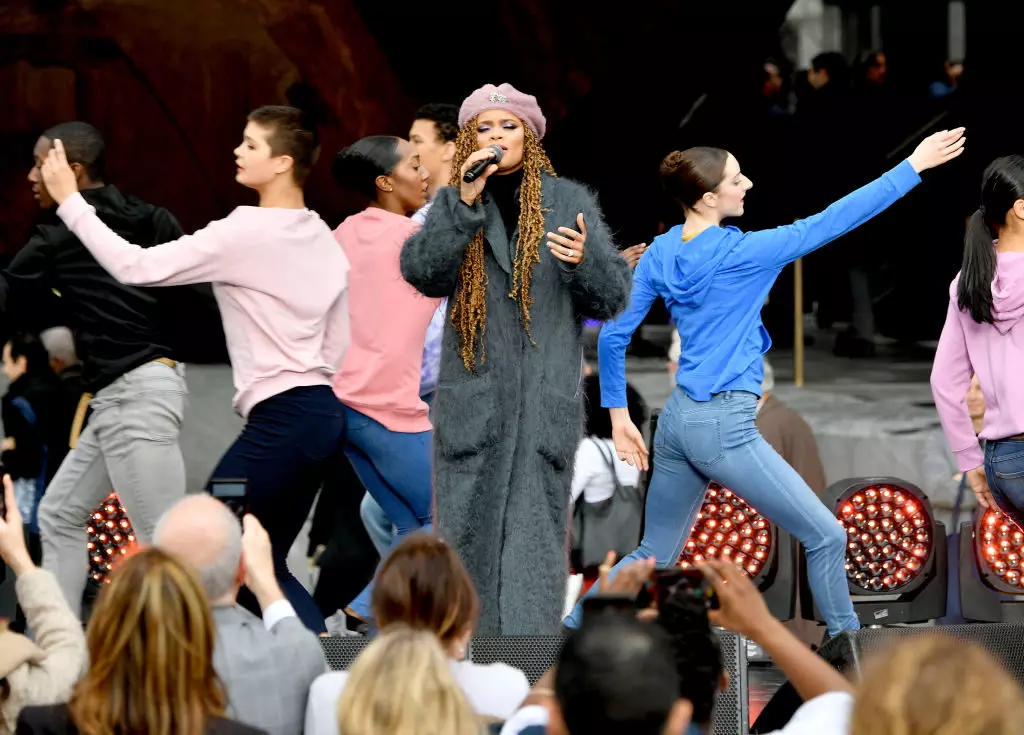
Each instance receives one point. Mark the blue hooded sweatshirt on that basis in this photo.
(714, 286)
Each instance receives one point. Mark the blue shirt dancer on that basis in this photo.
(714, 280)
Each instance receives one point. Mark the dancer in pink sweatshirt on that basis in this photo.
(280, 280)
(984, 336)
(388, 431)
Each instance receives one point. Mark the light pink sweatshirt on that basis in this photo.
(279, 278)
(996, 353)
(380, 376)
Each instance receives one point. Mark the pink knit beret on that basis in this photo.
(508, 98)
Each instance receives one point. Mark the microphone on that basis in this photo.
(477, 169)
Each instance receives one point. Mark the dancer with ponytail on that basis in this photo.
(984, 337)
(524, 257)
(714, 280)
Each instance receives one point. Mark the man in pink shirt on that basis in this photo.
(281, 282)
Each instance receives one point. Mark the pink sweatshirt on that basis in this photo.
(380, 376)
(279, 278)
(996, 353)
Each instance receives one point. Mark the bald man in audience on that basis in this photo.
(268, 665)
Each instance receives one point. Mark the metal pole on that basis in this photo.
(798, 322)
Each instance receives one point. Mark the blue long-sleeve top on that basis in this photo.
(715, 284)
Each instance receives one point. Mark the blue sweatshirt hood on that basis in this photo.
(689, 272)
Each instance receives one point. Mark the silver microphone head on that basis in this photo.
(499, 153)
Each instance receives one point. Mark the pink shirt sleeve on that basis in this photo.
(337, 335)
(951, 379)
(197, 258)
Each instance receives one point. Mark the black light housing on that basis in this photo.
(896, 557)
(991, 566)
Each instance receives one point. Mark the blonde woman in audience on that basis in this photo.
(402, 684)
(423, 585)
(44, 670)
(150, 642)
(935, 685)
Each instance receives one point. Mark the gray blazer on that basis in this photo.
(267, 674)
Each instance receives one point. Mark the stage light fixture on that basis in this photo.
(110, 536)
(895, 551)
(991, 568)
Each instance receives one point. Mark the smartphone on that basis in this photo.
(613, 603)
(233, 493)
(692, 582)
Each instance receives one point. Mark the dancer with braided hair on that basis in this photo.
(508, 414)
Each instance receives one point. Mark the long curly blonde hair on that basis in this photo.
(469, 306)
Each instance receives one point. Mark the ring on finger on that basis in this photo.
(572, 253)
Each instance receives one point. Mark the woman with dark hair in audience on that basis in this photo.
(281, 283)
(388, 430)
(150, 642)
(984, 338)
(41, 670)
(424, 585)
(714, 280)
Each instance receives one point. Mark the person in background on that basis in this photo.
(72, 414)
(150, 643)
(933, 685)
(591, 475)
(948, 81)
(789, 434)
(401, 685)
(982, 339)
(282, 283)
(31, 426)
(130, 367)
(388, 435)
(43, 670)
(424, 585)
(268, 665)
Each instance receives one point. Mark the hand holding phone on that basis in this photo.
(12, 535)
(233, 493)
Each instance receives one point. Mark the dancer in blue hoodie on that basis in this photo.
(714, 280)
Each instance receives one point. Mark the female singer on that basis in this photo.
(508, 414)
(280, 280)
(715, 280)
(984, 337)
(388, 432)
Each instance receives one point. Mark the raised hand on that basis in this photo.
(58, 178)
(741, 608)
(469, 193)
(937, 149)
(632, 254)
(12, 534)
(568, 247)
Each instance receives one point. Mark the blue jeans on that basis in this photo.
(289, 445)
(378, 525)
(1004, 469)
(395, 469)
(697, 442)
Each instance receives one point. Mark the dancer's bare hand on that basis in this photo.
(569, 245)
(12, 534)
(471, 192)
(978, 483)
(58, 177)
(632, 254)
(629, 442)
(937, 149)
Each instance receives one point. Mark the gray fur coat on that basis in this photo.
(505, 436)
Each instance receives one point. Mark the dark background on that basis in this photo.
(169, 85)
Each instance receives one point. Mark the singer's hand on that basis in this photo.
(471, 192)
(568, 247)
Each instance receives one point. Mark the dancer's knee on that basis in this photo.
(833, 537)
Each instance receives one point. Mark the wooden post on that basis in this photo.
(798, 322)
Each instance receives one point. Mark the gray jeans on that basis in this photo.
(130, 445)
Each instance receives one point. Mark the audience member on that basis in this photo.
(789, 434)
(423, 585)
(72, 411)
(592, 477)
(266, 666)
(402, 685)
(40, 671)
(935, 685)
(150, 643)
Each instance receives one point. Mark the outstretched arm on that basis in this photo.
(777, 247)
(197, 258)
(431, 258)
